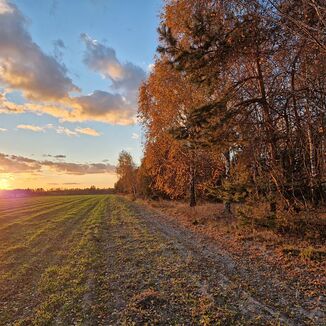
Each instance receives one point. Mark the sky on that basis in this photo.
(69, 78)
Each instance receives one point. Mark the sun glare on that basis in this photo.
(4, 183)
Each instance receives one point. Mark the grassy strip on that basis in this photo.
(32, 207)
(26, 225)
(8, 205)
(24, 268)
(63, 287)
(39, 236)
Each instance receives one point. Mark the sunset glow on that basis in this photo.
(4, 184)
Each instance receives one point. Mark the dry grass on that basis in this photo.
(304, 229)
(301, 259)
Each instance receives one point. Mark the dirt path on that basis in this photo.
(160, 273)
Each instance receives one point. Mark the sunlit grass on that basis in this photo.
(46, 253)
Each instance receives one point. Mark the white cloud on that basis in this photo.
(134, 136)
(5, 7)
(65, 131)
(3, 129)
(60, 130)
(31, 128)
(150, 67)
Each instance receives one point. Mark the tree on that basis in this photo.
(265, 89)
(126, 170)
(177, 169)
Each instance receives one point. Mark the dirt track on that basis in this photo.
(182, 278)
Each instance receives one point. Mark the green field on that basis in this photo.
(48, 252)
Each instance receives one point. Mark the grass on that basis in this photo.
(89, 260)
(103, 260)
(306, 229)
(47, 248)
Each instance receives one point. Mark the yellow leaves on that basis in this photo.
(165, 98)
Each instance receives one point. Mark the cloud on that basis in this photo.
(65, 131)
(59, 156)
(88, 131)
(99, 106)
(102, 59)
(23, 65)
(134, 136)
(3, 129)
(64, 183)
(53, 7)
(61, 130)
(58, 46)
(20, 164)
(8, 107)
(46, 86)
(79, 168)
(5, 7)
(150, 67)
(31, 128)
(58, 129)
(104, 106)
(16, 164)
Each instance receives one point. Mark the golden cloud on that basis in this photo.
(99, 106)
(88, 131)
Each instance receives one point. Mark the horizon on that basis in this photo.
(67, 114)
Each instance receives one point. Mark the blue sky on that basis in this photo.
(102, 47)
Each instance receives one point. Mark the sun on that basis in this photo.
(4, 183)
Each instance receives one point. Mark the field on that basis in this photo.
(103, 260)
(47, 252)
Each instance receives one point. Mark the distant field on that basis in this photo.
(47, 249)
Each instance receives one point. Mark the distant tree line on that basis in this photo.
(235, 106)
(53, 192)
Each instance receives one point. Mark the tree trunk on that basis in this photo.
(134, 193)
(270, 135)
(227, 203)
(193, 201)
(312, 159)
